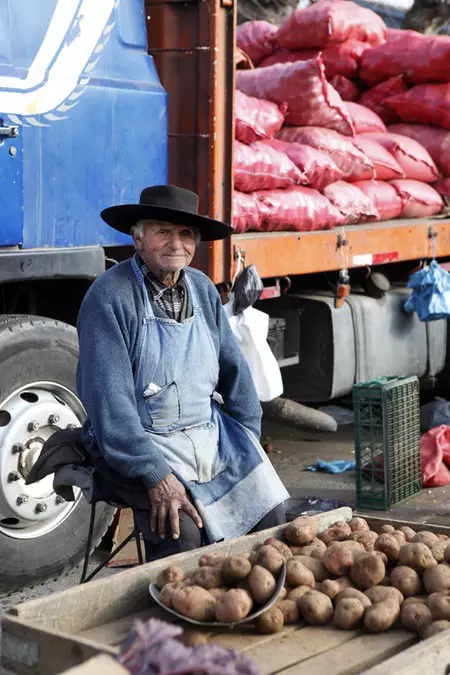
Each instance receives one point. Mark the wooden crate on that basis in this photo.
(52, 634)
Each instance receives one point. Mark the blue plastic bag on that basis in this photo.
(336, 466)
(430, 298)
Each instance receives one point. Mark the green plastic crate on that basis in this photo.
(387, 441)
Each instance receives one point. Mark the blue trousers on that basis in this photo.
(191, 536)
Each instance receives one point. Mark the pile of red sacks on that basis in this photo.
(312, 150)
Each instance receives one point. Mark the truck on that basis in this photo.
(98, 99)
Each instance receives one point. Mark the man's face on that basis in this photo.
(167, 247)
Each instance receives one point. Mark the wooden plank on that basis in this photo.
(83, 607)
(245, 638)
(287, 253)
(114, 632)
(430, 656)
(299, 646)
(32, 649)
(354, 656)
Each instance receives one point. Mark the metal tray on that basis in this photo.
(154, 592)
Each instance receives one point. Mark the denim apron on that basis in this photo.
(221, 463)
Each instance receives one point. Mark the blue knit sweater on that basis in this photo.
(109, 330)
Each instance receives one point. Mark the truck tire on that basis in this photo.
(41, 536)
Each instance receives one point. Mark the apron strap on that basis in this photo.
(149, 314)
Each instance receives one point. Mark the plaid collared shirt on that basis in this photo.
(170, 299)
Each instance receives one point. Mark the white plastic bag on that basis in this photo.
(250, 328)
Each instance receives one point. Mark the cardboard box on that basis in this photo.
(128, 555)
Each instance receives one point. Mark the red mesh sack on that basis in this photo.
(384, 196)
(364, 120)
(442, 186)
(255, 39)
(421, 58)
(317, 168)
(354, 205)
(424, 104)
(255, 119)
(246, 212)
(348, 158)
(347, 90)
(436, 141)
(329, 21)
(385, 167)
(260, 167)
(420, 199)
(414, 160)
(303, 88)
(301, 209)
(434, 451)
(338, 59)
(375, 98)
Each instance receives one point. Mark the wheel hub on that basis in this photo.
(28, 417)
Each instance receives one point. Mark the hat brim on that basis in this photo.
(123, 217)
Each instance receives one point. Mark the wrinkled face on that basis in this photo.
(166, 247)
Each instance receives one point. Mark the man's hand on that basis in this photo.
(168, 497)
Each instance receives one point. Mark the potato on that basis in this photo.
(438, 551)
(280, 546)
(312, 551)
(447, 554)
(427, 629)
(436, 579)
(169, 575)
(338, 532)
(338, 559)
(233, 606)
(425, 537)
(253, 558)
(442, 537)
(349, 614)
(168, 590)
(358, 524)
(382, 557)
(211, 559)
(290, 610)
(367, 571)
(315, 566)
(208, 577)
(298, 575)
(316, 608)
(406, 580)
(439, 606)
(296, 593)
(283, 593)
(301, 531)
(381, 593)
(381, 616)
(386, 529)
(411, 614)
(192, 638)
(194, 602)
(416, 555)
(330, 587)
(415, 599)
(270, 622)
(365, 537)
(235, 569)
(270, 558)
(400, 536)
(353, 593)
(389, 545)
(261, 584)
(218, 592)
(408, 532)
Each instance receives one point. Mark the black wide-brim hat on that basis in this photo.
(167, 204)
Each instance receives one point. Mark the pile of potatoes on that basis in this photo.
(348, 575)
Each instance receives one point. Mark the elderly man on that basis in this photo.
(155, 349)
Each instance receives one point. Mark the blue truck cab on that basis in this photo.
(83, 125)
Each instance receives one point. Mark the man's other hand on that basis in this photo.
(167, 498)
